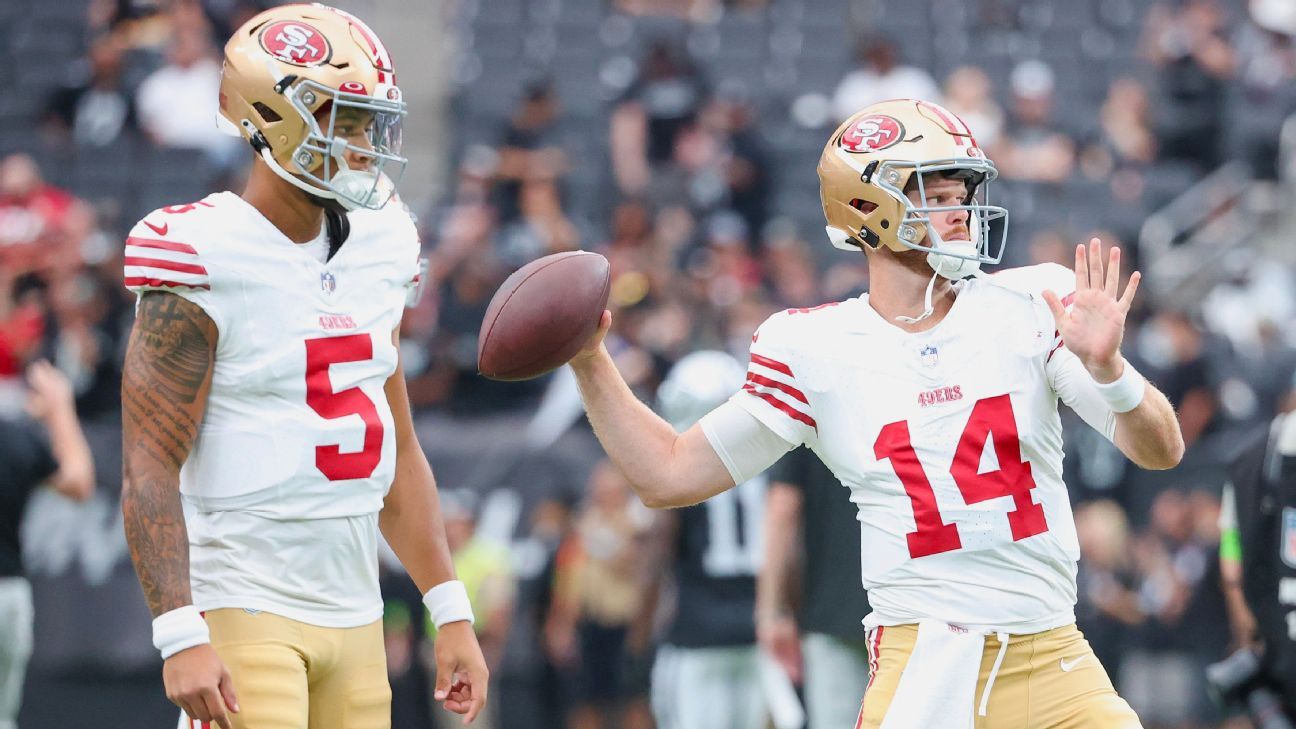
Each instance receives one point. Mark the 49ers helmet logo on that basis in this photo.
(295, 42)
(871, 133)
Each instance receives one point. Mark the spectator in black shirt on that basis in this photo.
(529, 148)
(97, 110)
(28, 460)
(1194, 63)
(659, 106)
(806, 498)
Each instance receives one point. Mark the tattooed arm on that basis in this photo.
(164, 390)
(165, 384)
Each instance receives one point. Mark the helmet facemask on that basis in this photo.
(950, 259)
(320, 160)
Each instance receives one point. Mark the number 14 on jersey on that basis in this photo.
(992, 417)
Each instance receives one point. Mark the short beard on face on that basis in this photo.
(915, 261)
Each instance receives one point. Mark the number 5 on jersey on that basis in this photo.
(329, 459)
(991, 417)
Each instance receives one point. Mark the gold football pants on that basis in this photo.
(1049, 680)
(291, 675)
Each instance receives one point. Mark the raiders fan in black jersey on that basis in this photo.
(706, 675)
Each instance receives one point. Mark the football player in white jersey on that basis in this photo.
(267, 430)
(933, 398)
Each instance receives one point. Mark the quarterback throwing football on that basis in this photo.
(933, 398)
(267, 429)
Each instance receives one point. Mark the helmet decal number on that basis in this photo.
(296, 42)
(871, 133)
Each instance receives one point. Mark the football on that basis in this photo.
(542, 315)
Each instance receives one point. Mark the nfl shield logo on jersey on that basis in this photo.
(1289, 536)
(327, 282)
(930, 356)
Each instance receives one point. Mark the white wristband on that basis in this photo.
(179, 629)
(448, 603)
(1125, 392)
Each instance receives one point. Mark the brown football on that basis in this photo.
(542, 315)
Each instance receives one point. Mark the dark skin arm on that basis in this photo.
(165, 383)
(411, 522)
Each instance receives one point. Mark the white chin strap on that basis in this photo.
(927, 303)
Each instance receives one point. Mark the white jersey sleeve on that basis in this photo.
(1073, 384)
(772, 392)
(163, 254)
(744, 444)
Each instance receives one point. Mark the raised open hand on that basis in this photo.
(1094, 325)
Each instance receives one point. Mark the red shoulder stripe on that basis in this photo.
(162, 263)
(788, 410)
(165, 245)
(772, 364)
(775, 384)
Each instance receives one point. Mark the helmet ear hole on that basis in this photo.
(268, 115)
(864, 206)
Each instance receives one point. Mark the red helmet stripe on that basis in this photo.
(959, 130)
(375, 45)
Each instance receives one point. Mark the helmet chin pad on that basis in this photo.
(356, 189)
(955, 259)
(954, 267)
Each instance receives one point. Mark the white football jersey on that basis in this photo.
(296, 449)
(949, 441)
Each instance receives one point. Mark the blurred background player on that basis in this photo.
(1258, 562)
(267, 433)
(904, 182)
(807, 616)
(706, 672)
(48, 450)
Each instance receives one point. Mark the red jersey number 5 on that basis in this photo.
(991, 417)
(329, 459)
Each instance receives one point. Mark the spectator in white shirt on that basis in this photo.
(177, 103)
(879, 77)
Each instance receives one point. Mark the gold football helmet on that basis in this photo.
(873, 158)
(308, 85)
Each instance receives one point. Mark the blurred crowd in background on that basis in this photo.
(679, 138)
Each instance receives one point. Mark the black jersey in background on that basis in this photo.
(25, 461)
(717, 554)
(834, 602)
(1264, 487)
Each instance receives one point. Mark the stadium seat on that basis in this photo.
(491, 12)
(576, 78)
(66, 13)
(580, 10)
